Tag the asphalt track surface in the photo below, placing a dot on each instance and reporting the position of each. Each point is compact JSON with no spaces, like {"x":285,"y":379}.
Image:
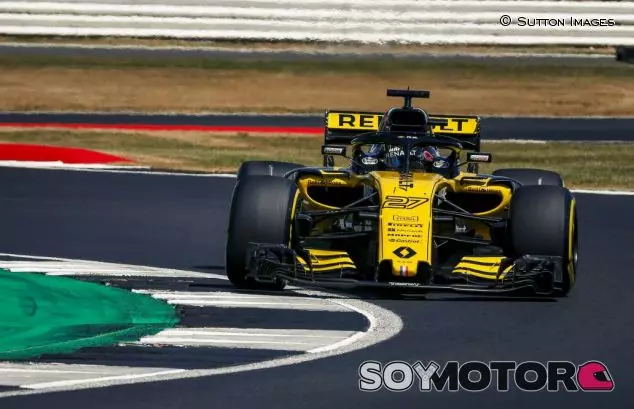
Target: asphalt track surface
{"x":179,"y":222}
{"x":493,"y":128}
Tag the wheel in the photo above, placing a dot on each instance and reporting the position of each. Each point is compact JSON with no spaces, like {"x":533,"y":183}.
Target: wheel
{"x":261,"y":211}
{"x":543,"y":222}
{"x":529,"y":177}
{"x":266,"y":167}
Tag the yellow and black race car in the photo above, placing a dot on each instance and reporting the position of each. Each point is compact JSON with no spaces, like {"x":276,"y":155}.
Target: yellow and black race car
{"x":410,"y":211}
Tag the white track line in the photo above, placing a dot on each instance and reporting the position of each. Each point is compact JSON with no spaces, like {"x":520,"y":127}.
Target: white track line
{"x":384,"y":325}
{"x":517,"y":141}
{"x":604,"y":192}
{"x":115,"y":169}
{"x":75,"y":382}
{"x":99,"y":268}
{"x":29,"y":370}
{"x":229,"y":300}
{"x":251,"y":304}
{"x":232,"y":176}
{"x":248,"y":332}
{"x":62,"y":165}
{"x":252,"y":338}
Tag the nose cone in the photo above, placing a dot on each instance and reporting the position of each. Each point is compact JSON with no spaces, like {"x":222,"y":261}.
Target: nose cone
{"x":594,"y":376}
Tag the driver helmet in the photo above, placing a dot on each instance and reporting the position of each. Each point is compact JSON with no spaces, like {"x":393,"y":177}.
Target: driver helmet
{"x":421,"y":157}
{"x":364,"y":162}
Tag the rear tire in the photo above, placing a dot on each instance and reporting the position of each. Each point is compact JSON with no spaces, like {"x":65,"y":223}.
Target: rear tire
{"x":531,"y":177}
{"x":266,"y":167}
{"x":543,"y":222}
{"x":261,"y":212}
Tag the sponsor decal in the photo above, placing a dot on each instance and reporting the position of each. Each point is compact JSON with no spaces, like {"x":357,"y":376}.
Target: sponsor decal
{"x":325,"y":181}
{"x":370,"y":121}
{"x":476,"y":188}
{"x":368,"y":160}
{"x":344,"y":120}
{"x":399,"y":284}
{"x":399,"y":234}
{"x":404,"y":252}
{"x":411,"y":225}
{"x":399,"y":218}
{"x":478,"y":157}
{"x":406,"y":181}
{"x":333,"y":150}
{"x":457,"y":125}
{"x":403,"y":202}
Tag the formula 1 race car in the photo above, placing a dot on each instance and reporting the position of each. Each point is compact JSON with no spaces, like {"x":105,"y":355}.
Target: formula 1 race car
{"x":407,"y":213}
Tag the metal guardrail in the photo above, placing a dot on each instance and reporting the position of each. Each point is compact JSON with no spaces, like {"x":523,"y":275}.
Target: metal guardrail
{"x":375,"y":21}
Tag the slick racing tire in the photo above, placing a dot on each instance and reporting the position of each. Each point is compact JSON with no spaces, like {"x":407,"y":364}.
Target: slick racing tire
{"x":266,"y":167}
{"x":530,"y":177}
{"x":261,"y":211}
{"x":543,"y":222}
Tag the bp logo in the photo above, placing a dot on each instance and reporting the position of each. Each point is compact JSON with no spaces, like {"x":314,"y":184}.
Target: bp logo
{"x":404,"y":252}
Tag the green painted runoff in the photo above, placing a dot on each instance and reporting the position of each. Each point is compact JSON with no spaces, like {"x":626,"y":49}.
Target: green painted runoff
{"x":42,"y":314}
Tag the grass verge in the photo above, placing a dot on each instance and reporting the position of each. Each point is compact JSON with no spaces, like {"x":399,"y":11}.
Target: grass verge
{"x":484,"y":87}
{"x":583,"y":165}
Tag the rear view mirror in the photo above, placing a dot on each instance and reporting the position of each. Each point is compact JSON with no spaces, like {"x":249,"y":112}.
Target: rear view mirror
{"x":479,"y":157}
{"x":333,"y":150}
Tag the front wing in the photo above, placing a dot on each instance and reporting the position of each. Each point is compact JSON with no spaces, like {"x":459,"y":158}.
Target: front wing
{"x":537,"y":275}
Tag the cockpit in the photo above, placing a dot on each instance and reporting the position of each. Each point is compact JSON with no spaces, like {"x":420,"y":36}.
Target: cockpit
{"x":403,"y":152}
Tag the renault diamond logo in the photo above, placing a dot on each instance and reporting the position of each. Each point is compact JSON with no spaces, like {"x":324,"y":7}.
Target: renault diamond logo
{"x":404,"y":252}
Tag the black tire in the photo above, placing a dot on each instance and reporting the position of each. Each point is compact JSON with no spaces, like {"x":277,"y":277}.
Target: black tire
{"x":260,"y":212}
{"x":543,"y":222}
{"x":531,"y":177}
{"x":266,"y":167}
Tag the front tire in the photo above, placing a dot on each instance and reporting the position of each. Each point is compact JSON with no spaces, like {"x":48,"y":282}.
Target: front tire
{"x":543,"y":222}
{"x":261,"y":211}
{"x":266,"y":167}
{"x":532,"y":177}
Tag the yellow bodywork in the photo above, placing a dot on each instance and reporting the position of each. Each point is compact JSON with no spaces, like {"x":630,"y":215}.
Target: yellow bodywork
{"x":326,"y":260}
{"x":406,"y":218}
{"x":489,"y":268}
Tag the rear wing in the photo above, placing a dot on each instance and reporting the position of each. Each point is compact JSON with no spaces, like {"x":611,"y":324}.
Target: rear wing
{"x":342,"y":127}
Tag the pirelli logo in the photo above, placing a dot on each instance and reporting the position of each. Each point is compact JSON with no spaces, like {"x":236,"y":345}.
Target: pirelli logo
{"x":368,"y":121}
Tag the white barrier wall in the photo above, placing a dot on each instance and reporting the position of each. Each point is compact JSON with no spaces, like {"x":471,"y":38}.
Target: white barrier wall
{"x":372,"y":21}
